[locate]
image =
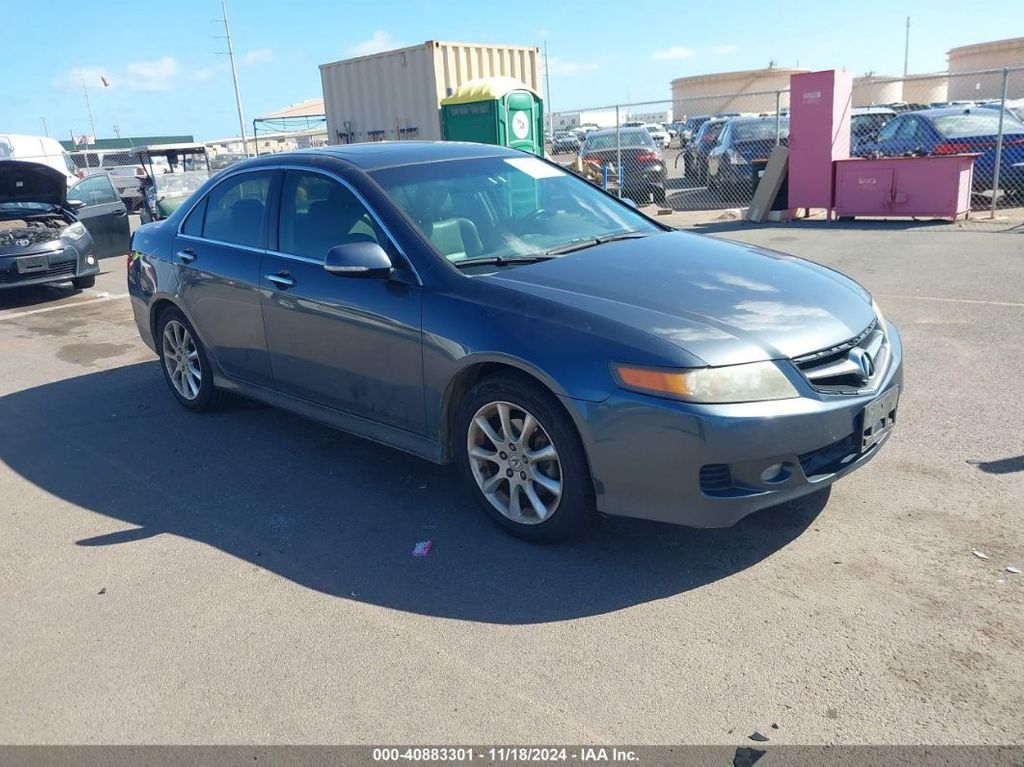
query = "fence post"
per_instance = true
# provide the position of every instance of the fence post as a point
(618, 146)
(778, 116)
(999, 146)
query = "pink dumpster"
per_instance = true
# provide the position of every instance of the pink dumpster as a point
(925, 187)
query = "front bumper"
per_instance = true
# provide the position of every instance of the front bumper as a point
(65, 262)
(700, 465)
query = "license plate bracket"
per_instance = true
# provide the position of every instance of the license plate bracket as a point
(878, 418)
(32, 264)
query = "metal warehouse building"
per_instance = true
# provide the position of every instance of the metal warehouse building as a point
(396, 95)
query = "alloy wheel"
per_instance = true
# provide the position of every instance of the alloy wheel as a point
(181, 359)
(514, 462)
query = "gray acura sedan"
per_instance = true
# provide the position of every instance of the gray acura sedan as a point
(474, 304)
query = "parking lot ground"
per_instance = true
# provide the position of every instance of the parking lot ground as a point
(246, 576)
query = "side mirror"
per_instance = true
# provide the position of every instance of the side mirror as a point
(358, 259)
(76, 204)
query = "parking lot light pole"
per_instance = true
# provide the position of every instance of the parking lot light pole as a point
(999, 145)
(234, 77)
(618, 148)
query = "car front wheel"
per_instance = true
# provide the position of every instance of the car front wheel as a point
(523, 460)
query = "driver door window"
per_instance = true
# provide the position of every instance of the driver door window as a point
(318, 213)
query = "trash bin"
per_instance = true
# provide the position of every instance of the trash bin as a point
(495, 110)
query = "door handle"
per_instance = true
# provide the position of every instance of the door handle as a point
(187, 255)
(121, 212)
(281, 279)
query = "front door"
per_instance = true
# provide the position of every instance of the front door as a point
(349, 343)
(218, 255)
(103, 214)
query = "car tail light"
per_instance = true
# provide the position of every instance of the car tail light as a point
(647, 156)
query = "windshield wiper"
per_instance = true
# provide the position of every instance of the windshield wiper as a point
(502, 260)
(572, 247)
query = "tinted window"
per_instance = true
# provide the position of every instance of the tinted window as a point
(235, 208)
(318, 213)
(908, 130)
(95, 190)
(888, 133)
(194, 223)
(758, 130)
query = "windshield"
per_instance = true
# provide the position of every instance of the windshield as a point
(980, 123)
(504, 207)
(177, 174)
(758, 130)
(633, 137)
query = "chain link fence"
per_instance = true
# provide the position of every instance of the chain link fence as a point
(707, 152)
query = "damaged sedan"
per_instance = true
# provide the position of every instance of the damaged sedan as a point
(49, 233)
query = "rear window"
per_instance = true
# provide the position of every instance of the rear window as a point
(631, 137)
(980, 123)
(758, 131)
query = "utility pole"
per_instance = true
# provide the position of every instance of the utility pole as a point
(88, 106)
(906, 49)
(547, 91)
(234, 75)
(46, 131)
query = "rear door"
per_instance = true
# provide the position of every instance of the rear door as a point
(218, 253)
(103, 214)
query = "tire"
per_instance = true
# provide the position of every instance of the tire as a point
(190, 375)
(565, 514)
(81, 283)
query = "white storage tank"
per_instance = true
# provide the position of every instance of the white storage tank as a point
(396, 95)
(868, 91)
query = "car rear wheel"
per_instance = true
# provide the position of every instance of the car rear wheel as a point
(185, 363)
(523, 460)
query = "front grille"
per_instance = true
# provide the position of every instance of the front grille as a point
(65, 269)
(830, 459)
(834, 371)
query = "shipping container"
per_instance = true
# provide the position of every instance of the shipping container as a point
(396, 95)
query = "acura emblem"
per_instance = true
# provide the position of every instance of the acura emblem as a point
(865, 364)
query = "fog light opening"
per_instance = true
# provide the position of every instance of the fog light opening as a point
(777, 472)
(90, 260)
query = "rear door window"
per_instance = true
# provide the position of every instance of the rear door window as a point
(236, 209)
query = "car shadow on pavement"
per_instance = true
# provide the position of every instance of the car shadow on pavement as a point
(339, 514)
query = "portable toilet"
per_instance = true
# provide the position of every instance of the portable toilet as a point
(495, 110)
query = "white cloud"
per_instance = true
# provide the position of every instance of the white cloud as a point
(156, 75)
(258, 56)
(378, 41)
(562, 68)
(203, 74)
(721, 50)
(675, 53)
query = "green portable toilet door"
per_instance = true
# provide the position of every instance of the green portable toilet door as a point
(521, 118)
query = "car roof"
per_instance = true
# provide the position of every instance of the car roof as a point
(385, 154)
(872, 111)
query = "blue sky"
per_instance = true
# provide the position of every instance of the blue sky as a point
(166, 76)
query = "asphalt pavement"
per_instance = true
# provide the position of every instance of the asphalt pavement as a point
(247, 576)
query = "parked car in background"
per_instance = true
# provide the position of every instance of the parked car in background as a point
(661, 136)
(222, 160)
(41, 149)
(565, 142)
(697, 151)
(642, 167)
(742, 141)
(865, 122)
(957, 130)
(49, 233)
(691, 127)
(472, 304)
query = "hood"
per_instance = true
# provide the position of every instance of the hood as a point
(32, 182)
(725, 302)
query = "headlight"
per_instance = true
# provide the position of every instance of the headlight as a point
(74, 232)
(753, 382)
